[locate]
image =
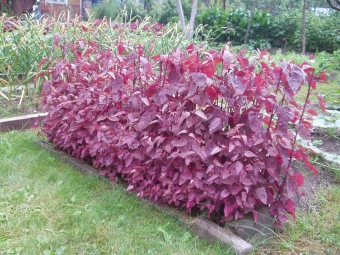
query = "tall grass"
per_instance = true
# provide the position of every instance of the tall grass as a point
(25, 42)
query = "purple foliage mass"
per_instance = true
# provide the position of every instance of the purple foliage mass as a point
(198, 130)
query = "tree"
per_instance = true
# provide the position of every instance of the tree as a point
(250, 21)
(189, 32)
(335, 4)
(303, 27)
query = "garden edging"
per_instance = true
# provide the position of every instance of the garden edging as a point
(21, 122)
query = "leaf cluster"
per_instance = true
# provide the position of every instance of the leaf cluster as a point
(200, 130)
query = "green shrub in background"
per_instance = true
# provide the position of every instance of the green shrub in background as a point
(280, 31)
(108, 9)
(328, 61)
(285, 30)
(111, 9)
(259, 30)
(166, 11)
(232, 26)
(323, 32)
(214, 20)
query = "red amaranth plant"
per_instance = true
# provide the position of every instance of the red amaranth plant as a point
(199, 130)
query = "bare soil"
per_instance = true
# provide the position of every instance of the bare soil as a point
(329, 140)
(325, 177)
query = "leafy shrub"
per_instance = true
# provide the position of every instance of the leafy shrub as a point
(285, 29)
(201, 130)
(216, 20)
(111, 9)
(259, 29)
(322, 32)
(328, 61)
(166, 11)
(232, 26)
(108, 9)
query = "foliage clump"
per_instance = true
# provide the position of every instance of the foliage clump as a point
(201, 130)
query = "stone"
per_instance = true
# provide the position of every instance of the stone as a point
(206, 229)
(21, 122)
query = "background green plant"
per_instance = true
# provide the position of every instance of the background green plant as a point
(28, 42)
(282, 30)
(214, 20)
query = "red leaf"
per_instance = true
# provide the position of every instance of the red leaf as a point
(311, 111)
(42, 62)
(322, 103)
(290, 207)
(85, 67)
(259, 81)
(121, 48)
(88, 51)
(255, 121)
(190, 48)
(130, 187)
(239, 84)
(313, 84)
(273, 151)
(322, 76)
(56, 39)
(212, 92)
(236, 168)
(298, 177)
(42, 73)
(310, 166)
(186, 175)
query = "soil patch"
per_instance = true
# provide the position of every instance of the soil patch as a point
(327, 140)
(312, 184)
(29, 106)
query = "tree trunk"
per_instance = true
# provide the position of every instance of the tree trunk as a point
(303, 30)
(224, 4)
(250, 21)
(190, 31)
(335, 4)
(180, 14)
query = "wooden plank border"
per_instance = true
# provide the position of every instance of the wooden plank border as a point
(21, 122)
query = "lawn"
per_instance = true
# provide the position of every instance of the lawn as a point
(47, 207)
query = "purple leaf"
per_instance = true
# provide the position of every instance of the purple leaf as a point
(261, 194)
(201, 114)
(303, 132)
(295, 77)
(215, 124)
(255, 121)
(249, 154)
(216, 150)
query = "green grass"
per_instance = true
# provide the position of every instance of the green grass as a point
(316, 231)
(47, 207)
